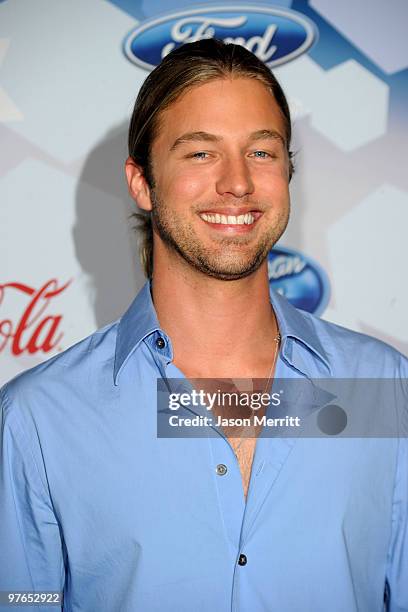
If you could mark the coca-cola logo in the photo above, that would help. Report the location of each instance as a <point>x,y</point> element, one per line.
<point>275,35</point>
<point>34,329</point>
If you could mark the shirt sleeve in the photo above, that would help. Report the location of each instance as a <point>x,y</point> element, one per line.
<point>397,575</point>
<point>31,557</point>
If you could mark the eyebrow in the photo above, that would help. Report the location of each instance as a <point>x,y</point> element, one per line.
<point>207,137</point>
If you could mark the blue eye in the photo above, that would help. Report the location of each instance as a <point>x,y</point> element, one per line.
<point>199,155</point>
<point>261,154</point>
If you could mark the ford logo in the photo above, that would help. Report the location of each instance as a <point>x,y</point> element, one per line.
<point>276,36</point>
<point>302,281</point>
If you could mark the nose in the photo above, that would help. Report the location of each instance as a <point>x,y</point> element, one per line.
<point>234,178</point>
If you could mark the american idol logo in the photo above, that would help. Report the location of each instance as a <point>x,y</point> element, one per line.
<point>302,281</point>
<point>276,36</point>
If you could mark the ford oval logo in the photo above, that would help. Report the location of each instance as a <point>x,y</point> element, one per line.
<point>302,281</point>
<point>276,36</point>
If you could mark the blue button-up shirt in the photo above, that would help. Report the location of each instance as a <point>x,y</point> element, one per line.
<point>93,503</point>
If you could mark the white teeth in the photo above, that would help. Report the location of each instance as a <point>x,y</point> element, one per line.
<point>246,219</point>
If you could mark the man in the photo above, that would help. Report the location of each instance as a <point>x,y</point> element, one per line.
<point>94,503</point>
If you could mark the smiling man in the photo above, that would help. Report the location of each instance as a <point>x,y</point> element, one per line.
<point>94,503</point>
<point>230,200</point>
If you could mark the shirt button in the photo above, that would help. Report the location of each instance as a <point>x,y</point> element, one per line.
<point>221,469</point>
<point>242,560</point>
<point>160,343</point>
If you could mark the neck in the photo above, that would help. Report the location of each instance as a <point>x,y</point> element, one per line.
<point>214,321</point>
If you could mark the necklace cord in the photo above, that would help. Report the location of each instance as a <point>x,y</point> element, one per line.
<point>277,340</point>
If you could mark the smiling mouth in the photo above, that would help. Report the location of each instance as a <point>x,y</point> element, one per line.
<point>217,218</point>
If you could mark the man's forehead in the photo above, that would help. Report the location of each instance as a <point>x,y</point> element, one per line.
<point>202,107</point>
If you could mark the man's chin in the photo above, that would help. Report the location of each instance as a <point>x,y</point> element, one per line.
<point>225,262</point>
<point>228,272</point>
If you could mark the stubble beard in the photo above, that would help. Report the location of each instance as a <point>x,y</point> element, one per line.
<point>223,261</point>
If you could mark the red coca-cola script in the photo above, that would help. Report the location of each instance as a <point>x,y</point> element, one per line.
<point>34,330</point>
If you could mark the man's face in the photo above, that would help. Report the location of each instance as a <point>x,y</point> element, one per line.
<point>220,166</point>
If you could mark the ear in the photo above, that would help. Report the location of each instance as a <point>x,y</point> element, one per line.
<point>137,184</point>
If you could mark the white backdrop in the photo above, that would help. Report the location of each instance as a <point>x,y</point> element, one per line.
<point>68,254</point>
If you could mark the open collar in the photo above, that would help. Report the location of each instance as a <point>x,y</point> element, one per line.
<point>140,321</point>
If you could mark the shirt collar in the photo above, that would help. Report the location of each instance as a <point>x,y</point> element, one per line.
<point>140,321</point>
<point>297,326</point>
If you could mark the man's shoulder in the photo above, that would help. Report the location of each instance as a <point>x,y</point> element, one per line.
<point>74,370</point>
<point>354,353</point>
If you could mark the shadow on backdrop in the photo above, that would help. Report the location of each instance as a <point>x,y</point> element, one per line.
<point>105,243</point>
